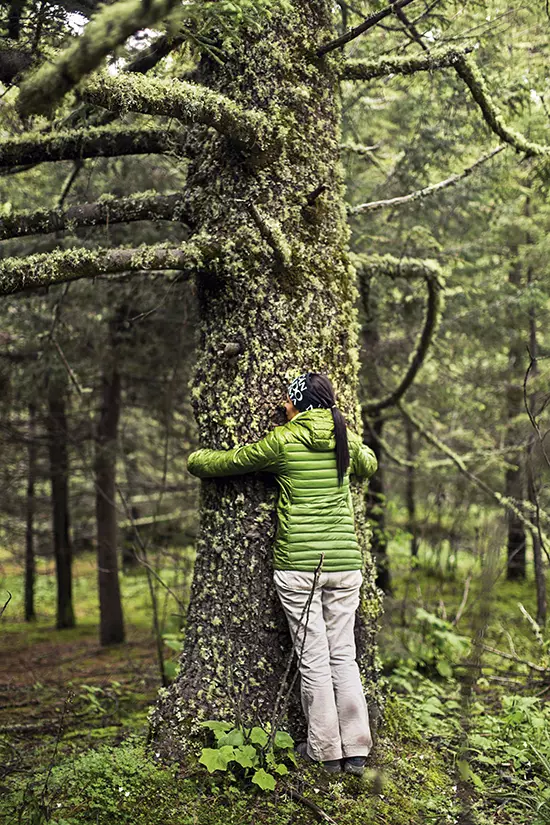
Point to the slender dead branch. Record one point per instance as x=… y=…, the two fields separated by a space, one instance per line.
x=6 y=603
x=143 y=207
x=363 y=27
x=419 y=194
x=401 y=65
x=458 y=461
x=463 y=601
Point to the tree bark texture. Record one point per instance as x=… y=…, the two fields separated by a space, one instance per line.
x=516 y=566
x=111 y=626
x=56 y=424
x=30 y=613
x=282 y=293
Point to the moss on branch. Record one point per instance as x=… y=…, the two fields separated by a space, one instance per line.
x=409 y=268
x=108 y=29
x=185 y=101
x=467 y=69
x=146 y=206
x=89 y=142
x=401 y=65
x=61 y=266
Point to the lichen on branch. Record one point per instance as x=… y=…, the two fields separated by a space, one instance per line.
x=61 y=266
x=401 y=65
x=187 y=102
x=467 y=69
x=142 y=207
x=89 y=142
x=107 y=30
x=409 y=268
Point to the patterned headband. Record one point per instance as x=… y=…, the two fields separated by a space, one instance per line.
x=300 y=394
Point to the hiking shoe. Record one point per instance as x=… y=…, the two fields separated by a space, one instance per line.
x=355 y=765
x=330 y=765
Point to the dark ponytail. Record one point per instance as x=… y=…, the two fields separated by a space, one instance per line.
x=322 y=390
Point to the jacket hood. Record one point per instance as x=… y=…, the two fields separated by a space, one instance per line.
x=315 y=429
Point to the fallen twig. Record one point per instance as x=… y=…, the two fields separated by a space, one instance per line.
x=297 y=797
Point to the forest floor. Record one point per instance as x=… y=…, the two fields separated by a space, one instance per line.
x=73 y=717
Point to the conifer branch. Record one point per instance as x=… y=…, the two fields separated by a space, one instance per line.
x=401 y=65
x=408 y=268
x=110 y=27
x=467 y=69
x=419 y=194
x=107 y=211
x=367 y=24
x=89 y=142
x=62 y=266
x=187 y=102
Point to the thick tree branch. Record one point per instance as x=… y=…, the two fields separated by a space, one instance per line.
x=367 y=24
x=146 y=206
x=407 y=268
x=62 y=266
x=110 y=27
x=402 y=65
x=419 y=194
x=90 y=142
x=466 y=68
x=184 y=101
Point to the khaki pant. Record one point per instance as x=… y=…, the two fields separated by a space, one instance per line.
x=332 y=695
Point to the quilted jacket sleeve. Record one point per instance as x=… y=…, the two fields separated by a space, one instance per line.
x=363 y=462
x=265 y=454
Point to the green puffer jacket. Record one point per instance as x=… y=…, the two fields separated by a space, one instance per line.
x=315 y=513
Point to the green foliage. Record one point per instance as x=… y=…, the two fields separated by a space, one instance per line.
x=247 y=752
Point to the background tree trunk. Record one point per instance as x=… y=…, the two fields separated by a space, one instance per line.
x=110 y=605
x=30 y=614
x=287 y=313
x=56 y=425
x=516 y=567
x=532 y=481
x=410 y=490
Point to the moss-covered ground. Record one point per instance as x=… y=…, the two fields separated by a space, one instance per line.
x=73 y=716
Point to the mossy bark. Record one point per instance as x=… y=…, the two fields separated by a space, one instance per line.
x=283 y=292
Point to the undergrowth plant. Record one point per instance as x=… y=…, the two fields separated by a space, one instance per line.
x=249 y=753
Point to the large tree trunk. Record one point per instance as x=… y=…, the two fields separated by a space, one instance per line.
x=56 y=425
x=110 y=605
x=30 y=613
x=283 y=294
x=514 y=475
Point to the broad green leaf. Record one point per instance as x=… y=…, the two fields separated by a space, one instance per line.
x=173 y=644
x=217 y=728
x=283 y=740
x=234 y=737
x=213 y=759
x=246 y=756
x=265 y=780
x=281 y=769
x=444 y=669
x=258 y=736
